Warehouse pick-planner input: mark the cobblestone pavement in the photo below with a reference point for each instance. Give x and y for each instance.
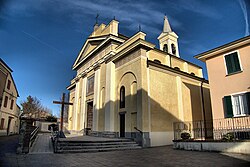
(158, 156)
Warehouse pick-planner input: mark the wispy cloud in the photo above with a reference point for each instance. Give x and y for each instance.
(129, 13)
(244, 10)
(42, 42)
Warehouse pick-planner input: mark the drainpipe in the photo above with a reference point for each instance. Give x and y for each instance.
(203, 109)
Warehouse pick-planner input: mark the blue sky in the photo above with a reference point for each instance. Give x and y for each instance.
(41, 39)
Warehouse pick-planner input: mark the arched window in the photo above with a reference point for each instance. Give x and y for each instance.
(165, 48)
(157, 61)
(173, 48)
(122, 97)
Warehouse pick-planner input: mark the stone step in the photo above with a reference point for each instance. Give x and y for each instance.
(77, 146)
(97, 141)
(93, 144)
(95, 147)
(98, 150)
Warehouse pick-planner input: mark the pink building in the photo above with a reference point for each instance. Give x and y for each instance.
(228, 69)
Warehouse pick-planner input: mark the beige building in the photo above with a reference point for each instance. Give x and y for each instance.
(9, 110)
(229, 77)
(126, 87)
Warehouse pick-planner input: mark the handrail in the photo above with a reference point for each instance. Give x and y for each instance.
(33, 136)
(34, 133)
(138, 130)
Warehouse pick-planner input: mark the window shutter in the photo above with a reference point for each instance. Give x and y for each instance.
(248, 102)
(236, 61)
(228, 107)
(229, 64)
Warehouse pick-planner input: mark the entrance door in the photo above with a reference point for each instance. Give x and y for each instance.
(89, 115)
(8, 127)
(122, 125)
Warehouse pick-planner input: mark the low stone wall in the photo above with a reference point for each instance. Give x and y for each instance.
(242, 147)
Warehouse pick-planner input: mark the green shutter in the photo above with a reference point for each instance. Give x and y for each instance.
(229, 64)
(228, 106)
(248, 102)
(232, 63)
(236, 62)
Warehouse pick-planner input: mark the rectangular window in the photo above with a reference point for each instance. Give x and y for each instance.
(8, 85)
(11, 105)
(2, 124)
(237, 105)
(5, 101)
(90, 85)
(232, 63)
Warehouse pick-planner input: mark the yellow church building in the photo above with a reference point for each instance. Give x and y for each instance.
(126, 87)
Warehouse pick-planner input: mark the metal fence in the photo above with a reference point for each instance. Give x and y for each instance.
(219, 129)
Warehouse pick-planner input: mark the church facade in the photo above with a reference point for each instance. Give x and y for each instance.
(126, 87)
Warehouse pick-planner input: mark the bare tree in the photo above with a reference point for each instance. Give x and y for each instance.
(33, 108)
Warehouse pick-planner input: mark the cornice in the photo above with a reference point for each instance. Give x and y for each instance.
(224, 48)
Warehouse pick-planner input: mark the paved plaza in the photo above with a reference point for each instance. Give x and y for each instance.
(158, 156)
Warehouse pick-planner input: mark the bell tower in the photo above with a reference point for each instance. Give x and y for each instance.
(168, 39)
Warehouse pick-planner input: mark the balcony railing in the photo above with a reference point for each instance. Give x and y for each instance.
(218, 129)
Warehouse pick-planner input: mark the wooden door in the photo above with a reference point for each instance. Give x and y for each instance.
(90, 115)
(122, 125)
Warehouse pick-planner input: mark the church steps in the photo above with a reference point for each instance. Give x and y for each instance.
(95, 141)
(94, 146)
(98, 150)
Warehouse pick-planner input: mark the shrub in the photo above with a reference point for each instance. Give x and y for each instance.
(185, 135)
(228, 137)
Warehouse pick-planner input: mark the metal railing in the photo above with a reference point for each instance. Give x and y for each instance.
(33, 136)
(218, 129)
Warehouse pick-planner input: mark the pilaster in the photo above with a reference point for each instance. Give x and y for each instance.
(180, 100)
(76, 105)
(83, 101)
(96, 97)
(110, 96)
(185, 65)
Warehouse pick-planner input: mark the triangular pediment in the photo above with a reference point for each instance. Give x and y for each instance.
(88, 46)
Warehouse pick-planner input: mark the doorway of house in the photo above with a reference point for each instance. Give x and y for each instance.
(8, 127)
(122, 125)
(89, 117)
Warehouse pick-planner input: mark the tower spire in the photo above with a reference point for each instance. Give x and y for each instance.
(166, 27)
(168, 39)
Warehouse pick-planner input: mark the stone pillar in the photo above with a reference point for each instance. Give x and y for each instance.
(180, 100)
(96, 97)
(143, 96)
(83, 101)
(110, 96)
(70, 114)
(76, 106)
